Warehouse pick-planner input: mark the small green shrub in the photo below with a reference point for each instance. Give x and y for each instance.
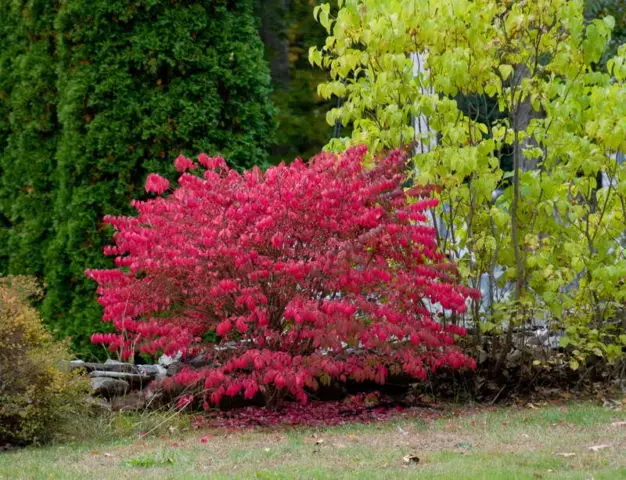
(36, 391)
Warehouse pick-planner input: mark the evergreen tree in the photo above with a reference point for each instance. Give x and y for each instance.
(29, 129)
(93, 95)
(5, 88)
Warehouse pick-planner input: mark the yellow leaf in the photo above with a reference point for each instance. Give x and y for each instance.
(505, 71)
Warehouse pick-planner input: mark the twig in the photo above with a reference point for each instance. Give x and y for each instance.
(497, 395)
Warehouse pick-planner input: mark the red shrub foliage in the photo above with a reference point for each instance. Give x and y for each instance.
(306, 273)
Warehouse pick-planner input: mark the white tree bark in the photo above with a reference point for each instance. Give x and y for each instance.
(425, 138)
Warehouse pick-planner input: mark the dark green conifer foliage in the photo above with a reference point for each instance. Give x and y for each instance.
(98, 93)
(140, 83)
(5, 92)
(28, 132)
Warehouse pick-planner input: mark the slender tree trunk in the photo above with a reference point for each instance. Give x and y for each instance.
(273, 14)
(520, 115)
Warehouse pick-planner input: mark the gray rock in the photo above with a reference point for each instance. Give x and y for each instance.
(166, 360)
(77, 364)
(174, 368)
(228, 346)
(130, 402)
(108, 367)
(109, 387)
(131, 378)
(199, 361)
(153, 371)
(110, 361)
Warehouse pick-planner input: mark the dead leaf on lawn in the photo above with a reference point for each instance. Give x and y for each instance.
(402, 430)
(409, 459)
(565, 454)
(612, 404)
(108, 455)
(597, 448)
(618, 424)
(318, 444)
(464, 445)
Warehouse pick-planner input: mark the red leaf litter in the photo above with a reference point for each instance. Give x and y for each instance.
(313, 414)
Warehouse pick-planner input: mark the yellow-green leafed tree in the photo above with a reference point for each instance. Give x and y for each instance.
(544, 236)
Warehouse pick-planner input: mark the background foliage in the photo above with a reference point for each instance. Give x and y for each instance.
(95, 94)
(288, 29)
(36, 391)
(28, 133)
(545, 240)
(616, 9)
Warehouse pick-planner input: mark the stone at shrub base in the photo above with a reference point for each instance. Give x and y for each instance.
(131, 378)
(133, 401)
(156, 372)
(106, 367)
(109, 387)
(123, 386)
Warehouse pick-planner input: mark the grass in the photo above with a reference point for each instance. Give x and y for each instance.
(503, 443)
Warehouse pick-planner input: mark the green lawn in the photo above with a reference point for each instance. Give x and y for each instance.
(507, 443)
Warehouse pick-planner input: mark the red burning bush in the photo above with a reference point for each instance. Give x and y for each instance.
(306, 274)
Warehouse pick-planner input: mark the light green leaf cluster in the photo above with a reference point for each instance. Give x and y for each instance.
(552, 244)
